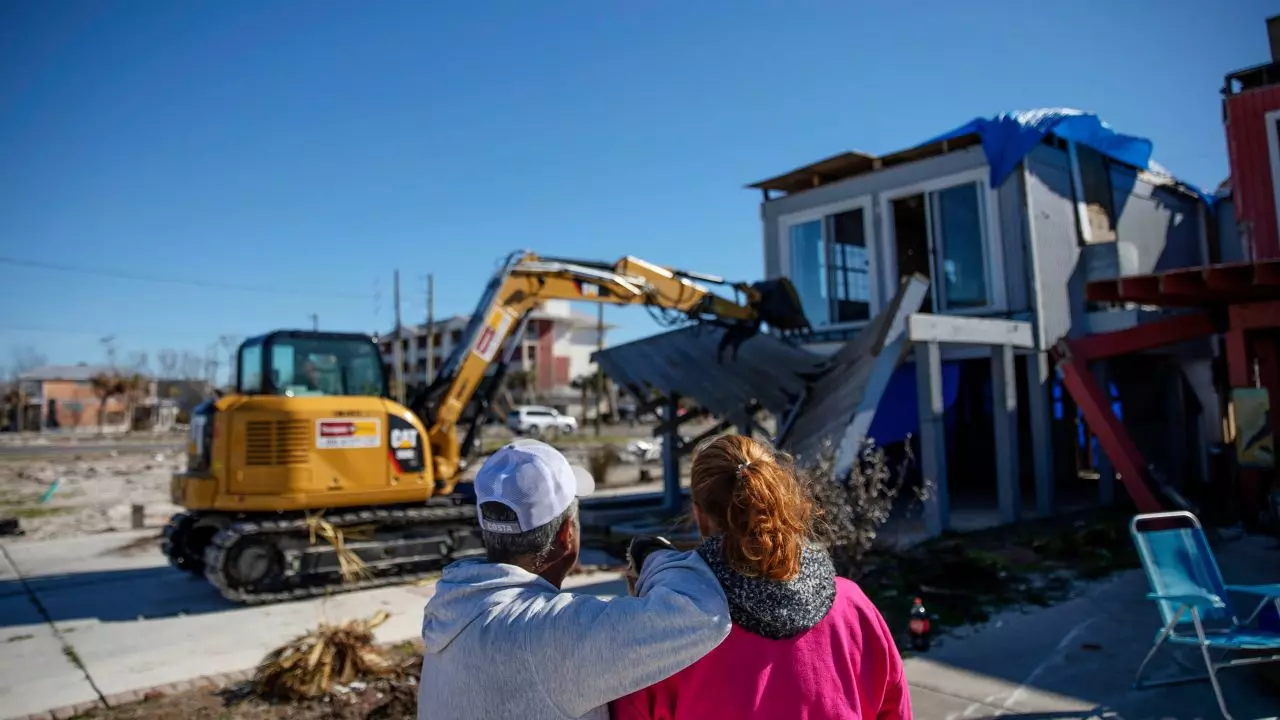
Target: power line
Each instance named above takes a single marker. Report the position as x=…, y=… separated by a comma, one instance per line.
x=98, y=332
x=59, y=267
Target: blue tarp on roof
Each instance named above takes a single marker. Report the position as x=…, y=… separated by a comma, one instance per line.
x=1009, y=137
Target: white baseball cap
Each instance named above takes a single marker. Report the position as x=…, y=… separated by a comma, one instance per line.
x=533, y=479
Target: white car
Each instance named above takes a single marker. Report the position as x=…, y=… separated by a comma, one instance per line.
x=536, y=420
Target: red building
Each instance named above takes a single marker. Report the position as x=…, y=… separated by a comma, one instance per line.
x=1251, y=115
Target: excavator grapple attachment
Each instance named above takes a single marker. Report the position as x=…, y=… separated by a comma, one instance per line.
x=779, y=306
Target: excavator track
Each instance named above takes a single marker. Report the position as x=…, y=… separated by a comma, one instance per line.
x=264, y=560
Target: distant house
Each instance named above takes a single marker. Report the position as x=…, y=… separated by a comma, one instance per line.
x=65, y=400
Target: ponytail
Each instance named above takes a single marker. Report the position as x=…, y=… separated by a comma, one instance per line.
x=759, y=506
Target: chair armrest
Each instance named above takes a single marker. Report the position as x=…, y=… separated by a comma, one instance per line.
x=1200, y=600
x=1259, y=590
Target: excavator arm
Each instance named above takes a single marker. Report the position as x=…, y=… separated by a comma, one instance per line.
x=525, y=280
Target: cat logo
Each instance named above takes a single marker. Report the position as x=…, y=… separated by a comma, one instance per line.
x=404, y=438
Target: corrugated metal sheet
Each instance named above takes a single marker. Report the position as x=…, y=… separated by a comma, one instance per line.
x=853, y=379
x=687, y=362
x=1250, y=156
x=818, y=398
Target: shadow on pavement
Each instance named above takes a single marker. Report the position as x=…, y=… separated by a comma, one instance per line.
x=1090, y=647
x=110, y=596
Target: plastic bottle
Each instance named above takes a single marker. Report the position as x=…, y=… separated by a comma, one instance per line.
x=919, y=626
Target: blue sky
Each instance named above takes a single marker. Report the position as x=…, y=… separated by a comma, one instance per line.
x=313, y=148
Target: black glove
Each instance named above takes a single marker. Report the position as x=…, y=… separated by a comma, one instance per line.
x=641, y=547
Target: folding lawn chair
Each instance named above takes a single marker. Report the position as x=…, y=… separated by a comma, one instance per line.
x=1185, y=581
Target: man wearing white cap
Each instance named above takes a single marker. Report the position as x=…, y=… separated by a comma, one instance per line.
x=502, y=641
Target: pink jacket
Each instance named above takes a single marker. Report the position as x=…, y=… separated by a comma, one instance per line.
x=846, y=667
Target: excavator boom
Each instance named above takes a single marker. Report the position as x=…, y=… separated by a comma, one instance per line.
x=525, y=280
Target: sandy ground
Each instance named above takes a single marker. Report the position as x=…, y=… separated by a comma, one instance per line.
x=93, y=493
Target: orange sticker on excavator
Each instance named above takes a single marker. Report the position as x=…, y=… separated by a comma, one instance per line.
x=345, y=434
x=491, y=336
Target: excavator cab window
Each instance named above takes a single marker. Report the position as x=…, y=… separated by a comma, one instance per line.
x=297, y=364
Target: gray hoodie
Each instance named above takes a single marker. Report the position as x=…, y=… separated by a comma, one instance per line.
x=502, y=642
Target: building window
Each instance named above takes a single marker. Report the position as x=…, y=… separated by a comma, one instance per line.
x=943, y=234
x=831, y=268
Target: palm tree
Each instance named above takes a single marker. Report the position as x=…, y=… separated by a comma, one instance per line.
x=135, y=387
x=106, y=386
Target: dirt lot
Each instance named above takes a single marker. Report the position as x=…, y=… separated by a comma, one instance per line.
x=82, y=493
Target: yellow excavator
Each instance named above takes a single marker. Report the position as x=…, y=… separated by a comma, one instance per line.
x=312, y=433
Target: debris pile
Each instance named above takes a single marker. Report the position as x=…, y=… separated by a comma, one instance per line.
x=326, y=661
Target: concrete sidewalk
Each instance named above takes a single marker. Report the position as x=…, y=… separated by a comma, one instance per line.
x=122, y=621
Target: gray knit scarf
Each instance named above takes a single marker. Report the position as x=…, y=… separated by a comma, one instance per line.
x=772, y=609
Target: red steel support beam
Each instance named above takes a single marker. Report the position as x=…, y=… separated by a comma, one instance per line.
x=1072, y=358
x=1147, y=336
x=1115, y=442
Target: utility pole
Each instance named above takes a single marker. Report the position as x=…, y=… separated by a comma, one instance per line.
x=109, y=344
x=398, y=352
x=431, y=328
x=315, y=322
x=599, y=370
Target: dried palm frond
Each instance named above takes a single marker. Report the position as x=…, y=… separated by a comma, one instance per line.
x=311, y=665
x=350, y=565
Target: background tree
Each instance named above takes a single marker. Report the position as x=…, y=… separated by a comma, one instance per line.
x=140, y=362
x=106, y=386
x=168, y=360
x=24, y=358
x=136, y=388
x=192, y=366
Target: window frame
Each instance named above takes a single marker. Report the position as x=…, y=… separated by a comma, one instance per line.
x=993, y=246
x=822, y=212
x=1273, y=155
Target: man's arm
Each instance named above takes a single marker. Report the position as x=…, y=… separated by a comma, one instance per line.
x=586, y=651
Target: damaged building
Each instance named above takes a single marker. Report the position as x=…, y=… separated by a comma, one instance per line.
x=994, y=229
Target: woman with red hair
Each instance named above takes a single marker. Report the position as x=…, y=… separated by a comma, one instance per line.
x=805, y=643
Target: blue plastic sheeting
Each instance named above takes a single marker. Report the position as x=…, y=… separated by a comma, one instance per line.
x=897, y=414
x=1009, y=137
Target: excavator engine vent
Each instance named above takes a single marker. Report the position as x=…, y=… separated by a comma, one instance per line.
x=276, y=442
